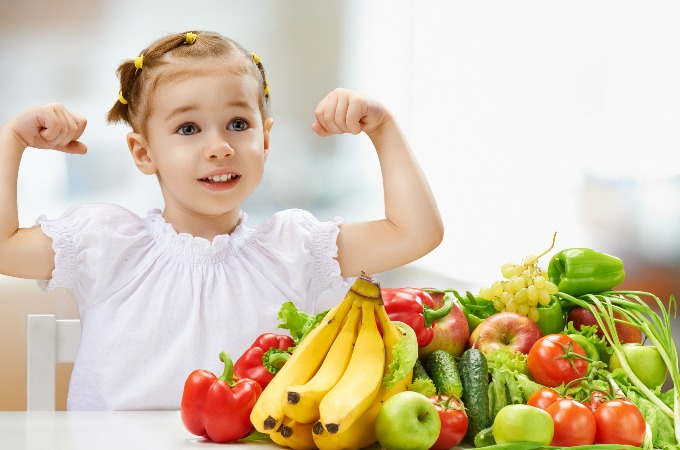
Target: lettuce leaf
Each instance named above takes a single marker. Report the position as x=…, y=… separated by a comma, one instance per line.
x=298, y=322
x=405, y=353
x=510, y=381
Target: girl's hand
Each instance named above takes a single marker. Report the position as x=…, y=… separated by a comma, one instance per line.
x=50, y=126
x=344, y=111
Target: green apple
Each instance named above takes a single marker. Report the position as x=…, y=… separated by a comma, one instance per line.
x=523, y=423
x=407, y=421
x=646, y=363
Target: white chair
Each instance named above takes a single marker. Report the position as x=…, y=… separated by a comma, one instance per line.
x=48, y=341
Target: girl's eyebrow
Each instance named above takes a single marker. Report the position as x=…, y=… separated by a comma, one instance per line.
x=180, y=110
x=184, y=108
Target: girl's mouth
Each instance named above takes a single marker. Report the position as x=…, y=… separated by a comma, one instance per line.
x=220, y=182
x=220, y=178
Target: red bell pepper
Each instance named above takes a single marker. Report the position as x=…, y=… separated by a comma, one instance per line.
x=414, y=307
x=219, y=408
x=264, y=358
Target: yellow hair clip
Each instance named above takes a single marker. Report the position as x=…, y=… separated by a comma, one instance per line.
x=256, y=58
x=191, y=38
x=139, y=61
x=121, y=98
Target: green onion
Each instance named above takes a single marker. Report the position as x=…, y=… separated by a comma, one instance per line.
x=636, y=312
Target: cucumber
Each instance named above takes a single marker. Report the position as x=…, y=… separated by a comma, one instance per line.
x=422, y=383
x=419, y=372
x=485, y=438
x=474, y=374
x=442, y=368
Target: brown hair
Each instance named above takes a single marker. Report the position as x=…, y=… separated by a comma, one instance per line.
x=137, y=85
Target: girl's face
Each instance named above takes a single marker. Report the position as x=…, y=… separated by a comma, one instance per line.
x=207, y=143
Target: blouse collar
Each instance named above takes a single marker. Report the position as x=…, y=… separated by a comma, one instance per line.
x=198, y=248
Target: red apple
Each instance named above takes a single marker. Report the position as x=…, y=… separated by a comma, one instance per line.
x=627, y=333
x=451, y=333
x=505, y=329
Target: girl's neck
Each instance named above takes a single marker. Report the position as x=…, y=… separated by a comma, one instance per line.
x=202, y=226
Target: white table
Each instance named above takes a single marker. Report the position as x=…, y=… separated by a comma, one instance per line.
x=119, y=430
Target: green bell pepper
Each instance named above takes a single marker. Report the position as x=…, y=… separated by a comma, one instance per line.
x=475, y=308
x=551, y=318
x=579, y=271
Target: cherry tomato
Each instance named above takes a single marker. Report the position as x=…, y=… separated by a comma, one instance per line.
x=548, y=364
x=574, y=423
x=454, y=422
x=543, y=398
x=619, y=421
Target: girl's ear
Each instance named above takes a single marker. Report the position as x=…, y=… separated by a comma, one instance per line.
x=139, y=150
x=268, y=124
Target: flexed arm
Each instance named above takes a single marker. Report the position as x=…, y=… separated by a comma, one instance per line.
x=27, y=252
x=412, y=226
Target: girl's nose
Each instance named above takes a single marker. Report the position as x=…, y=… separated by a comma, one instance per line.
x=219, y=148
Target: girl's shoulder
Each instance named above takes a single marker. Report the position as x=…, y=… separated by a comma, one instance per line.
x=295, y=220
x=100, y=219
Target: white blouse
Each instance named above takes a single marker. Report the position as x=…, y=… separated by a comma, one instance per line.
x=156, y=305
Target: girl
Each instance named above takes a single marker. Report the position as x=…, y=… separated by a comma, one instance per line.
x=162, y=295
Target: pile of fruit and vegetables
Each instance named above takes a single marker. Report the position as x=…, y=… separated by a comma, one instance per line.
x=544, y=358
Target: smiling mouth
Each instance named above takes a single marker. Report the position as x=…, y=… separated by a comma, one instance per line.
x=220, y=178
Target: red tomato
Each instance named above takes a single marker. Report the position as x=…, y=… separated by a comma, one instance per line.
x=543, y=398
x=548, y=365
x=619, y=421
x=574, y=423
x=454, y=422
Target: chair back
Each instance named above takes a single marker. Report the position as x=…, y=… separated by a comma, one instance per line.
x=48, y=341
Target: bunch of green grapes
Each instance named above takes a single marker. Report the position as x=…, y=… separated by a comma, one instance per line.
x=524, y=288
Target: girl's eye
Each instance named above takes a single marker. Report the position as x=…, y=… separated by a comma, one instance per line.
x=187, y=129
x=238, y=125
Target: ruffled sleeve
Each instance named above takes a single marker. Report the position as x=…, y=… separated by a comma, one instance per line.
x=92, y=243
x=304, y=250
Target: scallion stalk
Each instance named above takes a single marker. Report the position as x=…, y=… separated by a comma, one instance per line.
x=636, y=312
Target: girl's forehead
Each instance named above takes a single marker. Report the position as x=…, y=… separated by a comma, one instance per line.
x=185, y=68
x=208, y=87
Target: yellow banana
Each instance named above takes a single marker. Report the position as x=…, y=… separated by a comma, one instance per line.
x=360, y=383
x=301, y=402
x=362, y=433
x=267, y=414
x=295, y=435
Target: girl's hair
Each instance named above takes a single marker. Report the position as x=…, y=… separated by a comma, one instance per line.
x=140, y=76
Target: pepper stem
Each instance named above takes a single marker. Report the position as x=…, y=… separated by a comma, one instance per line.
x=274, y=359
x=431, y=315
x=228, y=374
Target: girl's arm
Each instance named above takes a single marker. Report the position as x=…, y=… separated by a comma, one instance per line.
x=412, y=226
x=27, y=252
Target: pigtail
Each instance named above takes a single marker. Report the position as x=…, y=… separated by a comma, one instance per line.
x=120, y=110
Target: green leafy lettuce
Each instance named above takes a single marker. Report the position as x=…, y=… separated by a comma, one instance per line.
x=510, y=381
x=298, y=322
x=405, y=353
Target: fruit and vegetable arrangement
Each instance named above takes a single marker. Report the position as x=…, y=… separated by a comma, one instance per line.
x=544, y=358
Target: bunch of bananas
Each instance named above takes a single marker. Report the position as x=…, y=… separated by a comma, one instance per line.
x=329, y=392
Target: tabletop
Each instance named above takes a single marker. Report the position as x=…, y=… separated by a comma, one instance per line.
x=120, y=430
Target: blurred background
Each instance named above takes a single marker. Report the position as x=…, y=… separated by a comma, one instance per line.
x=529, y=118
